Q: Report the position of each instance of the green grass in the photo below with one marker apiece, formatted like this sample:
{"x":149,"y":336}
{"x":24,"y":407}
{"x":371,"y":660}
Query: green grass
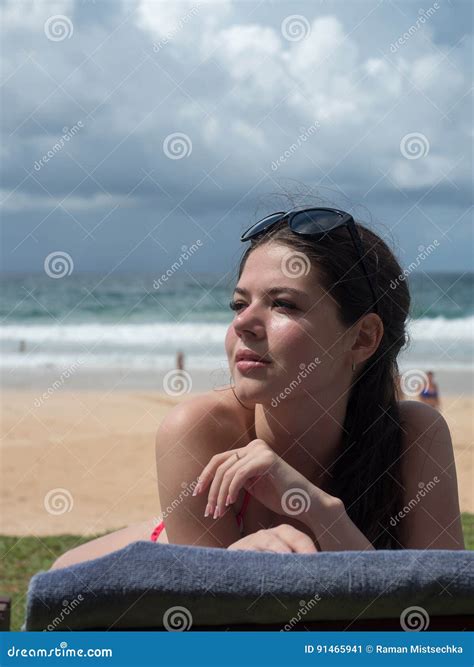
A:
{"x":468,"y":529}
{"x":22,"y":557}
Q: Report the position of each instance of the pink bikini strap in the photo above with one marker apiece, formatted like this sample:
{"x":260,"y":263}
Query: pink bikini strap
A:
{"x":244,"y":505}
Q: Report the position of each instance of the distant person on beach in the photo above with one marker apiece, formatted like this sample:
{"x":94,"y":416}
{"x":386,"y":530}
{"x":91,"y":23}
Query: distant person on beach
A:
{"x":430,"y":392}
{"x":309,"y":449}
{"x":22,"y":347}
{"x":180,"y":361}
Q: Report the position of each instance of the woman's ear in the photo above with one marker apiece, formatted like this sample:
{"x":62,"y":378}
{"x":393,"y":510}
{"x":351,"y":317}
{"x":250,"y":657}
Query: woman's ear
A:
{"x":368,"y":334}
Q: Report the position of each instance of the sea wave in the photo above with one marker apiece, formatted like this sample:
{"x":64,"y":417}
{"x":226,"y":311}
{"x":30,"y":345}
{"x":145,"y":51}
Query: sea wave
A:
{"x":433,"y":342}
{"x":190,"y":334}
{"x":441,"y":328}
{"x":176,"y":334}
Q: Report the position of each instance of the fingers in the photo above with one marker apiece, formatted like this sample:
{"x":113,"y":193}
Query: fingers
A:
{"x":219,"y":487}
{"x":280,"y":539}
{"x":276,"y":544}
{"x":233,"y":477}
{"x":262,"y":540}
{"x":212,"y":474}
{"x":209,"y":470}
{"x":298,"y":541}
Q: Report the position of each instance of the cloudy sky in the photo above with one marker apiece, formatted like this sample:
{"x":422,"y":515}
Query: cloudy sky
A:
{"x":133,"y":128}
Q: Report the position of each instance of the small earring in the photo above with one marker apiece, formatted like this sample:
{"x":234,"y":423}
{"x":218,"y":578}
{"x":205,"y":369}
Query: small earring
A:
{"x":353,"y":366}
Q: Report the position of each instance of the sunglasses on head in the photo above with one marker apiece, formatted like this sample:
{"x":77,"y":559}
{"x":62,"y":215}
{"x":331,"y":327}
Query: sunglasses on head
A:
{"x":314,"y":223}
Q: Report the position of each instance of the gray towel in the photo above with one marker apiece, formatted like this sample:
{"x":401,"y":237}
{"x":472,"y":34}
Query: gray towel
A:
{"x":147,"y":585}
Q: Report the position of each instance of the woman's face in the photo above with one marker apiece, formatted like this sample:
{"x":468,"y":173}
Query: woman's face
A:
{"x":299,"y":332}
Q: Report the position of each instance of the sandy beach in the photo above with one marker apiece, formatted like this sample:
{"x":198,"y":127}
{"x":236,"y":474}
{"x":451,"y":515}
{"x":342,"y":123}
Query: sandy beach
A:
{"x":83,"y":461}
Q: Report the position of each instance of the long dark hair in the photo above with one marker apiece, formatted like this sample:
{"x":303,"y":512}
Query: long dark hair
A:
{"x":366,"y":474}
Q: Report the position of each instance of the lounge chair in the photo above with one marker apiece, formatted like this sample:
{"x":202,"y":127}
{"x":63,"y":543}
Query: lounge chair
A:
{"x":174,"y":587}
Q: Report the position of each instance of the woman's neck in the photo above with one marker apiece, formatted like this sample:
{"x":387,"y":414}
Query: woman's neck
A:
{"x":306,"y":433}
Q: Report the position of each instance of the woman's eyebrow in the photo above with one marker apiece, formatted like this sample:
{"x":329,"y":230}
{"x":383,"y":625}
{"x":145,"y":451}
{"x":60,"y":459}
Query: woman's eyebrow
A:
{"x":272,"y":291}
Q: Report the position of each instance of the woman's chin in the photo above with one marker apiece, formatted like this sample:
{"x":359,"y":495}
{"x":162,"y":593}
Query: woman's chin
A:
{"x":253,"y":390}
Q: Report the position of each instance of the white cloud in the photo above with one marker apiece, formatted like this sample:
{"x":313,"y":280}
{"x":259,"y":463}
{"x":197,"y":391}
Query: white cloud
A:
{"x":31,"y":14}
{"x":242,"y":47}
{"x":175,"y":21}
{"x":250,"y":134}
{"x":428,"y":70}
{"x":229,"y":78}
{"x":424,"y":172}
{"x":325,"y":50}
{"x":17,"y":201}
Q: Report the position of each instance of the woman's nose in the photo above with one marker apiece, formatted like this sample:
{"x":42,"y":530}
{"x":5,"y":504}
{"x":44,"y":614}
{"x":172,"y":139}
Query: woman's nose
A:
{"x":249,"y":321}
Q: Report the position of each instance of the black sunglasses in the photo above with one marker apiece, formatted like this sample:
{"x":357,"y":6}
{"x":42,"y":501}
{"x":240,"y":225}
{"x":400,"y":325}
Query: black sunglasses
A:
{"x":314,"y":223}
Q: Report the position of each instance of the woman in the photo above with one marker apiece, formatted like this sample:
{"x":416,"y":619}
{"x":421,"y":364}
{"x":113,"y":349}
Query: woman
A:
{"x":309,"y":448}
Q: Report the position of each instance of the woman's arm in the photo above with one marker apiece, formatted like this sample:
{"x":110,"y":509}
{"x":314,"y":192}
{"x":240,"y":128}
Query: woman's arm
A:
{"x":101,"y":546}
{"x":281,"y":488}
{"x":188,"y":436}
{"x":430,"y":517}
{"x":191,"y":434}
{"x":331,"y":525}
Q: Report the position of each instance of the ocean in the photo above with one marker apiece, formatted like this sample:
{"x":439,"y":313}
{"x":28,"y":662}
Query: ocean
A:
{"x":131,"y":322}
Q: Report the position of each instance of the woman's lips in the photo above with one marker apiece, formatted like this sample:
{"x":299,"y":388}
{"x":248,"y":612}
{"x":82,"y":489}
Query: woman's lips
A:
{"x":250,"y":364}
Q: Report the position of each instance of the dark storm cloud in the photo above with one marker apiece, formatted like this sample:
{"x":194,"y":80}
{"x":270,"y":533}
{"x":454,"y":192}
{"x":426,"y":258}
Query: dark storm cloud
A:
{"x":133,"y":120}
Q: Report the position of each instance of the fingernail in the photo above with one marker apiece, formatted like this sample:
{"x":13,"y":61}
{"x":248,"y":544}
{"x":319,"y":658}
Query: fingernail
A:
{"x":216,"y":513}
{"x":227,"y":502}
{"x":208,"y":510}
{"x":197,"y":489}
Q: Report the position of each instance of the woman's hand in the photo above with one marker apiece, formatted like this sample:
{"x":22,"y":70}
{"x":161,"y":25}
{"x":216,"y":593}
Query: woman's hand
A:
{"x":259,"y":470}
{"x":280,"y":539}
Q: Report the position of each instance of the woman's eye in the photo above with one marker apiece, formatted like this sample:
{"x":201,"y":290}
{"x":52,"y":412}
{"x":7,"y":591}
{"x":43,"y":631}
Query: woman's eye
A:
{"x":237,"y":305}
{"x":284,"y":304}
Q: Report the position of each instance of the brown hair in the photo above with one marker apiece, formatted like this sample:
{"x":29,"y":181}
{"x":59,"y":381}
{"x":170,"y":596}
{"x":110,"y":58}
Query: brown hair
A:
{"x":366,"y":476}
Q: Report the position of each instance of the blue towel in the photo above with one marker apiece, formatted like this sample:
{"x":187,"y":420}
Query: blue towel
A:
{"x":147,"y":585}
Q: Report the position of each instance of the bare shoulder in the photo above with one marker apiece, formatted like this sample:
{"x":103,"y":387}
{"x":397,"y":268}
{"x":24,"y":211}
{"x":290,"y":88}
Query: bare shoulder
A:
{"x":214,"y":416}
{"x":187,"y":438}
{"x":429,"y":480}
{"x":416,"y":415}
{"x":426,"y":436}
